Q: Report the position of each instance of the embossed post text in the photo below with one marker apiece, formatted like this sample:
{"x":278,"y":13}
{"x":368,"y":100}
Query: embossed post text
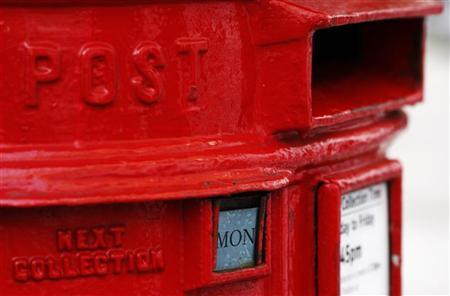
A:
{"x":84,"y":252}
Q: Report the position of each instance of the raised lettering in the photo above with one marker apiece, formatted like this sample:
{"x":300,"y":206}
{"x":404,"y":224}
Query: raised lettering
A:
{"x":54,"y":269}
{"x":157,"y":257}
{"x":117,"y":257}
{"x":68,"y":268}
{"x":100,"y":264}
{"x":82,"y":239}
{"x":42,"y":65}
{"x":98,"y":73}
{"x":71,"y":263}
{"x":86,"y":263}
{"x":149,"y":62}
{"x":131,"y":261}
{"x":117,"y":233}
{"x":194,"y":48}
{"x":37,"y":268}
{"x":64,"y":240}
{"x":143,"y":260}
{"x":99,"y":238}
{"x":20,"y":269}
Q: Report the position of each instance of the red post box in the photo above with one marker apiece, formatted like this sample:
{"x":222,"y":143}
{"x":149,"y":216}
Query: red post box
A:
{"x":204,"y":148}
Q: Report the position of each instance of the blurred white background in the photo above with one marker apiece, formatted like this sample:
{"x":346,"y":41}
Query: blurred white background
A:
{"x":424,"y":151}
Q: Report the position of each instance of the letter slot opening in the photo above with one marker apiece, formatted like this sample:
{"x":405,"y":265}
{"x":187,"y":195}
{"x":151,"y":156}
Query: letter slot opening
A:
{"x":239,"y":231}
{"x":361,"y":67}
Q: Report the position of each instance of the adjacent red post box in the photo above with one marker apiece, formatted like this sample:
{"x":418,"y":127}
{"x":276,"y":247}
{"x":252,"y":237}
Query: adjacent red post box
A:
{"x":361,"y":229}
{"x":204,"y":148}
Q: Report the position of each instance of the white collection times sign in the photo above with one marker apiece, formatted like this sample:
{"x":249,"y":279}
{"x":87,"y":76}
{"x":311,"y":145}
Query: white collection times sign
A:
{"x":364,"y":244}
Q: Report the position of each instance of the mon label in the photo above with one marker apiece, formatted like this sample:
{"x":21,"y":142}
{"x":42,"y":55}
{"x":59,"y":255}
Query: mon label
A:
{"x":364,"y":247}
{"x":236,"y":239}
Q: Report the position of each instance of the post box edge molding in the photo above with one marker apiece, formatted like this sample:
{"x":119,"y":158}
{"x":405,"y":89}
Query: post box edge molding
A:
{"x":55,"y":182}
{"x":329,"y":193}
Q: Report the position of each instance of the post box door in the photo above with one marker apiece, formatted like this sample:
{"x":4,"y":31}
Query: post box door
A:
{"x":359,"y":220}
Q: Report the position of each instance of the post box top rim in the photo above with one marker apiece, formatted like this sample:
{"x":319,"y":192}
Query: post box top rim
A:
{"x":330,"y":8}
{"x":352,"y":11}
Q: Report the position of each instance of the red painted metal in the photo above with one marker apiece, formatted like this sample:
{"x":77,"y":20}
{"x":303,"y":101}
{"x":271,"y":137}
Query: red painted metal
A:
{"x":123,"y":122}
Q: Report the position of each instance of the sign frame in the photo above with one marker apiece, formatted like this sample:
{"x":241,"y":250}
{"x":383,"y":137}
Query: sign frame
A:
{"x":245,"y":201}
{"x":203,"y":222}
{"x":329,"y":195}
